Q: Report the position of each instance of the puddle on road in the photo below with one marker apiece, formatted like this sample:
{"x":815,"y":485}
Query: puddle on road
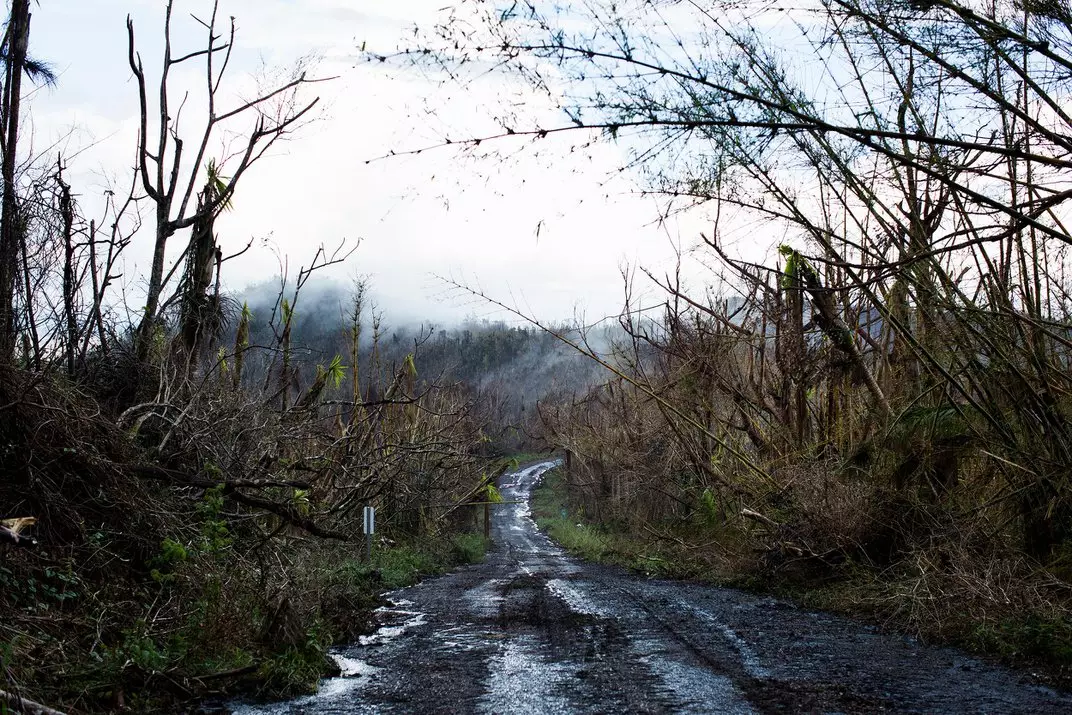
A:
{"x":694,"y":689}
{"x":485,"y":598}
{"x":522,"y":681}
{"x":349,"y":667}
{"x":577,"y":601}
{"x":462,"y":639}
{"x":388,"y":633}
{"x":335,"y":695}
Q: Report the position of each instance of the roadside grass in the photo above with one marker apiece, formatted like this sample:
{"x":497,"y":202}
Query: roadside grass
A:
{"x":524,"y":458}
{"x":1005,"y":610}
{"x":651,"y":556}
{"x":1029,"y":635}
{"x":552,"y":514}
{"x":407,"y":562}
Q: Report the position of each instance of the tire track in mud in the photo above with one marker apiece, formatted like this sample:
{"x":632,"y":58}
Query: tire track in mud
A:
{"x":534,"y":630}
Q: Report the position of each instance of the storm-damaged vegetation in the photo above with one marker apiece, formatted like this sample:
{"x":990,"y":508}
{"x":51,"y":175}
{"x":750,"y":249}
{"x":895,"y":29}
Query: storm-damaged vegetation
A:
{"x":867,"y":404}
{"x":183,"y":479}
{"x":871,"y":401}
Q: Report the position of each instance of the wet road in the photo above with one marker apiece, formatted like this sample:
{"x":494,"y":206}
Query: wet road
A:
{"x":534,"y":630}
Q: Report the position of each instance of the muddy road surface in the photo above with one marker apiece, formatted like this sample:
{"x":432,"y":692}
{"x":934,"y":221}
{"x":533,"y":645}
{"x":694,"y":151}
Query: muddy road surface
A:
{"x":532,"y":630}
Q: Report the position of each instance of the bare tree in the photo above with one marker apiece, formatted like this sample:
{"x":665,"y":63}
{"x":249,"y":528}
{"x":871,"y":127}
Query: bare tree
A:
{"x":171,"y":179}
{"x":16,"y":40}
{"x":13,"y":53}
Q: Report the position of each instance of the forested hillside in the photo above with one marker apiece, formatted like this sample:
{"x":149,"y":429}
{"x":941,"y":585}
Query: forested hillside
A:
{"x":506,"y":369}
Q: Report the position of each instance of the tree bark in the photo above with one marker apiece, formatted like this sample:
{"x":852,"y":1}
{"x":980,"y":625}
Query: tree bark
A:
{"x":69,"y":287}
{"x":18,"y":32}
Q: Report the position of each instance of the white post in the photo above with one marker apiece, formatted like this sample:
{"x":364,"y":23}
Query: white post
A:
{"x":370,"y":529}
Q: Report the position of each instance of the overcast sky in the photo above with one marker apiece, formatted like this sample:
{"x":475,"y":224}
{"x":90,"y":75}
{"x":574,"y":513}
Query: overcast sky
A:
{"x":547,"y":231}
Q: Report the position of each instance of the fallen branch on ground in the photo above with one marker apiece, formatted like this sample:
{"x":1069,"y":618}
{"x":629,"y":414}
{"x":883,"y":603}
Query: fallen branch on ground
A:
{"x":11,"y":532}
{"x":26,"y":706}
{"x":756,"y":516}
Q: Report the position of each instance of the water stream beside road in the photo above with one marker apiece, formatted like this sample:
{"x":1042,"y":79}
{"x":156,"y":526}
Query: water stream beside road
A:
{"x":534,"y":630}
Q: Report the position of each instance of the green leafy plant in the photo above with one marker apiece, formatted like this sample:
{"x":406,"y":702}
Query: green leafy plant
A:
{"x":297,"y":668}
{"x":336,"y":371}
{"x":137,"y":649}
{"x":215,"y":536}
{"x":217,"y":184}
{"x":163,"y":565}
{"x":709,"y":512}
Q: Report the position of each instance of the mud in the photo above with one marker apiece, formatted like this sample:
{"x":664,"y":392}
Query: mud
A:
{"x":534,"y":630}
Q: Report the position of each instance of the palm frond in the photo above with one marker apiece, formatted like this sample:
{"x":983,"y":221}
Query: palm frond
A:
{"x":38,"y":71}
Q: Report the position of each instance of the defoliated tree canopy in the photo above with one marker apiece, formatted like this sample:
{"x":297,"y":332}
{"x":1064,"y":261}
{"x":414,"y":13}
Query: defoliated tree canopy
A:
{"x":777,"y":110}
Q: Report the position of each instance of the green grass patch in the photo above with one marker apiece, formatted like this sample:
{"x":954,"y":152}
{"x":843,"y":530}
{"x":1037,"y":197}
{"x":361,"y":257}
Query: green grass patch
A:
{"x":407,"y":563}
{"x":1033,"y":636}
{"x":523,"y":458}
{"x":604,"y":543}
{"x":468,"y":548}
{"x":298,"y":668}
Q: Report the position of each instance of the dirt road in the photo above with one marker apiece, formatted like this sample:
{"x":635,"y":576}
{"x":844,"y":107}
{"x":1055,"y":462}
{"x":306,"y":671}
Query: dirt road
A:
{"x":534,"y":630}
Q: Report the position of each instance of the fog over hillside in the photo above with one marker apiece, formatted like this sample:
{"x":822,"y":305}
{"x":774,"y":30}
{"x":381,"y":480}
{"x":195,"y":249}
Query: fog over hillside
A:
{"x":516,"y":365}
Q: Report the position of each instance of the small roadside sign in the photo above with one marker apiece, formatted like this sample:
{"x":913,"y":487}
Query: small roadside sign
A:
{"x":370,"y":529}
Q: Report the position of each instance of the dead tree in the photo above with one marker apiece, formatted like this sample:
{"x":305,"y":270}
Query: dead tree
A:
{"x":168,"y":180}
{"x":15,"y":42}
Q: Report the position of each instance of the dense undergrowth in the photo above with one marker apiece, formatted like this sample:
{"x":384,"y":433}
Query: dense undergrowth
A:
{"x":867,"y":401}
{"x":200,"y":608}
{"x":182,"y":478}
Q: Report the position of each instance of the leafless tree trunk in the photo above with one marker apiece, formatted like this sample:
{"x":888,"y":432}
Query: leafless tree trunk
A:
{"x":18,"y":32}
{"x":69,"y":279}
